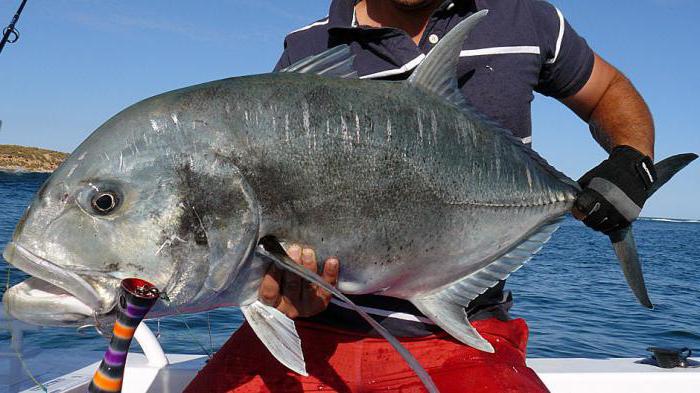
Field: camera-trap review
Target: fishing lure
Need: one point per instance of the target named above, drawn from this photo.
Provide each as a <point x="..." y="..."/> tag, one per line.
<point x="135" y="300"/>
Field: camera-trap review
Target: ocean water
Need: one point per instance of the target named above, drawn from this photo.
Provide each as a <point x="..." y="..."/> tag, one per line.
<point x="572" y="294"/>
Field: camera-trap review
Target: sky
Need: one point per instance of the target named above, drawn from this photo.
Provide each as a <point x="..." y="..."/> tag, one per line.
<point x="79" y="62"/>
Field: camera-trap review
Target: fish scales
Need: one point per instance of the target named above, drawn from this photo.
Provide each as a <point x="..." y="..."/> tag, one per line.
<point x="383" y="205"/>
<point x="422" y="200"/>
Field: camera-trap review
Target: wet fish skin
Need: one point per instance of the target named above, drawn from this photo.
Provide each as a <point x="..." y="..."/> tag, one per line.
<point x="408" y="191"/>
<point x="436" y="164"/>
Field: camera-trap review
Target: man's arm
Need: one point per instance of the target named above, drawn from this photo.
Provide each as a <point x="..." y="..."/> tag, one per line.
<point x="614" y="192"/>
<point x="616" y="113"/>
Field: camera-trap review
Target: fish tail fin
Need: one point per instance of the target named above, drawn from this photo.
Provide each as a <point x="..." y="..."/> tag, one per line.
<point x="623" y="241"/>
<point x="667" y="168"/>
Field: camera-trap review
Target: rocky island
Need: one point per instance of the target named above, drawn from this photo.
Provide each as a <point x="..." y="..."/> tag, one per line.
<point x="15" y="158"/>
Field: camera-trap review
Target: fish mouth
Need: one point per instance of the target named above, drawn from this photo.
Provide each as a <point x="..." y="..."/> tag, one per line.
<point x="53" y="274"/>
<point x="37" y="302"/>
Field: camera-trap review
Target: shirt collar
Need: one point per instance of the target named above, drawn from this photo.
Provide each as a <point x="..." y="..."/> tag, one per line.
<point x="342" y="12"/>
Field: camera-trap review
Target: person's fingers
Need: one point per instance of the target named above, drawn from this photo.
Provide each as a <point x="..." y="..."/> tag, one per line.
<point x="615" y="221"/>
<point x="291" y="286"/>
<point x="269" y="292"/>
<point x="308" y="259"/>
<point x="294" y="252"/>
<point x="329" y="275"/>
<point x="578" y="214"/>
<point x="330" y="271"/>
<point x="586" y="204"/>
<point x="596" y="219"/>
<point x="287" y="308"/>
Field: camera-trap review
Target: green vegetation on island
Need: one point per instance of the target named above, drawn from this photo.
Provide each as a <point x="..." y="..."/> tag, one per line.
<point x="15" y="158"/>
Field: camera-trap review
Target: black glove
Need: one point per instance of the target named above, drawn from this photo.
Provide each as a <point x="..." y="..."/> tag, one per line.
<point x="614" y="192"/>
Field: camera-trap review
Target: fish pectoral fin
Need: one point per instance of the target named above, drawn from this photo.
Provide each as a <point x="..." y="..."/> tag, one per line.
<point x="271" y="250"/>
<point x="447" y="307"/>
<point x="336" y="62"/>
<point x="278" y="333"/>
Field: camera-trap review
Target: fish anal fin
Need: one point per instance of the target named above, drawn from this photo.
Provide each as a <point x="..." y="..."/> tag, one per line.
<point x="336" y="62"/>
<point x="453" y="319"/>
<point x="447" y="307"/>
<point x="278" y="333"/>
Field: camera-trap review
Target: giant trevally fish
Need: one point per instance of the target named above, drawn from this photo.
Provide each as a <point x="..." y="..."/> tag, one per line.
<point x="194" y="190"/>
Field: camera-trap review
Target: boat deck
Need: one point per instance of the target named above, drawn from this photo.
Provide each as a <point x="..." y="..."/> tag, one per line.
<point x="560" y="375"/>
<point x="70" y="372"/>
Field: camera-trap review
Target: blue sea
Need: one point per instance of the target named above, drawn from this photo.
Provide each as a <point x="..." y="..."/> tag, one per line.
<point x="572" y="294"/>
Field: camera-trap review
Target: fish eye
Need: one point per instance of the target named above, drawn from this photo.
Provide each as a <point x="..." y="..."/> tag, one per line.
<point x="104" y="202"/>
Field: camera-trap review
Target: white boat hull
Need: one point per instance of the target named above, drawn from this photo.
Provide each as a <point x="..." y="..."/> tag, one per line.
<point x="66" y="371"/>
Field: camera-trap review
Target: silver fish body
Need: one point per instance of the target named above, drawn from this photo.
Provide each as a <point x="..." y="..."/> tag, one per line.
<point x="411" y="193"/>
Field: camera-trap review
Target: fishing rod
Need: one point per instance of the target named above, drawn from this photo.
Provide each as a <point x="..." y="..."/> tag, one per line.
<point x="11" y="34"/>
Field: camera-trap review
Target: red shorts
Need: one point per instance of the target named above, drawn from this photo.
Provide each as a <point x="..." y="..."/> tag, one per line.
<point x="341" y="361"/>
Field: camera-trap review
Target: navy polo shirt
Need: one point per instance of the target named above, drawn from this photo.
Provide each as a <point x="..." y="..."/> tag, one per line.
<point x="522" y="46"/>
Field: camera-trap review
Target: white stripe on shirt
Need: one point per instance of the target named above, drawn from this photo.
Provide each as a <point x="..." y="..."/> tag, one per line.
<point x="319" y="23"/>
<point x="406" y="67"/>
<point x="384" y="313"/>
<point x="503" y="50"/>
<point x="560" y="37"/>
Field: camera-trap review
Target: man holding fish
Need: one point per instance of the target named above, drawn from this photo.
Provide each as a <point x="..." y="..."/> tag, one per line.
<point x="521" y="47"/>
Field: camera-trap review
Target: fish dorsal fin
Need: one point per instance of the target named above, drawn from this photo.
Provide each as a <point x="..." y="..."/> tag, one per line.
<point x="335" y="62"/>
<point x="438" y="72"/>
<point x="278" y="333"/>
<point x="446" y="307"/>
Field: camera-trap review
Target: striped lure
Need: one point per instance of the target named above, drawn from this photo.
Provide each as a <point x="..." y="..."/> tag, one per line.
<point x="135" y="300"/>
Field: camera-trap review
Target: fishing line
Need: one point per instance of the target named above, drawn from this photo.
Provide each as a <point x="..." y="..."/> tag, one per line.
<point x="20" y="357"/>
<point x="189" y="332"/>
<point x="184" y="321"/>
<point x="211" y="345"/>
<point x="27" y="371"/>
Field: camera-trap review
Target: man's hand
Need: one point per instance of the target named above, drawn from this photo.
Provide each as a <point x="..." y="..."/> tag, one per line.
<point x="294" y="296"/>
<point x="614" y="192"/>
